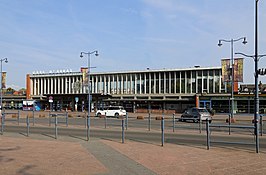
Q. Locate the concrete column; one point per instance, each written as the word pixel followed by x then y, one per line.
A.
pixel 170 80
pixel 52 85
pixel 45 86
pixel 175 82
pixel 65 86
pixel 122 84
pixel 149 83
pixel 154 75
pixel 180 87
pixel 38 86
pixel 186 82
pixel 62 85
pixel 140 83
pixel 126 85
pixel 135 84
pixel 131 88
pixel 34 86
pixel 160 83
pixel 164 83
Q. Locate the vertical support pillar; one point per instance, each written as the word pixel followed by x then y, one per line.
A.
pixel 162 129
pixel 66 119
pixel 173 122
pixel 208 134
pixel 126 121
pixel 28 125
pixel 55 123
pixel 123 130
pixel 33 118
pixel 2 124
pixel 149 124
pixel 261 125
pixel 18 117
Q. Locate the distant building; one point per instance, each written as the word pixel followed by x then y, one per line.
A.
pixel 164 90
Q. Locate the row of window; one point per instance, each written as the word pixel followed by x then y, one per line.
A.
pixel 175 82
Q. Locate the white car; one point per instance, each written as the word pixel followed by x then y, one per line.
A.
pixel 111 111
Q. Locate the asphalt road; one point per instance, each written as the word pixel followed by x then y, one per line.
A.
pixel 185 133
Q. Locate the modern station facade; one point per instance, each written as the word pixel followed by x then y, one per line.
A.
pixel 164 90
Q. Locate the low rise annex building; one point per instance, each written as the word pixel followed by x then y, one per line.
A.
pixel 158 90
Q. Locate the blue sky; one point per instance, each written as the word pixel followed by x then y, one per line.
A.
pixel 44 35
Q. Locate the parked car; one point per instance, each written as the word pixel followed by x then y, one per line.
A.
pixel 111 111
pixel 196 114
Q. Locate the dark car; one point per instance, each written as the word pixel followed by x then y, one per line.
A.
pixel 196 114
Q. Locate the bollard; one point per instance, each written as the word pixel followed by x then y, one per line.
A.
pixel 126 120
pixel 229 123
pixel 200 124
pixel 105 122
pixel 55 124
pixel 173 122
pixel 88 128
pixel 208 134
pixel 2 124
pixel 261 125
pixel 149 121
pixel 18 118
pixel 28 125
pixel 33 118
pixel 162 128
pixel 49 118
pixel 66 119
pixel 123 130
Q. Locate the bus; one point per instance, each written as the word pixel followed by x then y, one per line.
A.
pixel 30 105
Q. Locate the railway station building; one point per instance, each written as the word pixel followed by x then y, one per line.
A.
pixel 164 90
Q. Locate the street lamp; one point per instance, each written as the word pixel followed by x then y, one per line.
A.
pixel 89 93
pixel 231 41
pixel 1 102
pixel 256 58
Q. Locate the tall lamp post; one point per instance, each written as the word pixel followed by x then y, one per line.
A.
pixel 89 93
pixel 1 102
pixel 256 58
pixel 232 41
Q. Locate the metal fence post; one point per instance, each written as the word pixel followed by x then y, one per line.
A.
pixel 55 123
pixel 33 117
pixel 105 122
pixel 200 124
pixel 126 120
pixel 18 117
pixel 28 125
pixel 229 122
pixel 208 133
pixel 88 128
pixel 149 121
pixel 173 122
pixel 162 128
pixel 2 124
pixel 123 130
pixel 261 125
pixel 49 118
pixel 66 119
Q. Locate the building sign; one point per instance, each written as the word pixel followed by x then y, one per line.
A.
pixel 238 70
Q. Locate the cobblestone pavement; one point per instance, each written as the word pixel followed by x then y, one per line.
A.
pixel 40 154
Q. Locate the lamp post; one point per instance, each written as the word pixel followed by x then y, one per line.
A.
pixel 1 102
pixel 256 58
pixel 89 93
pixel 232 41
